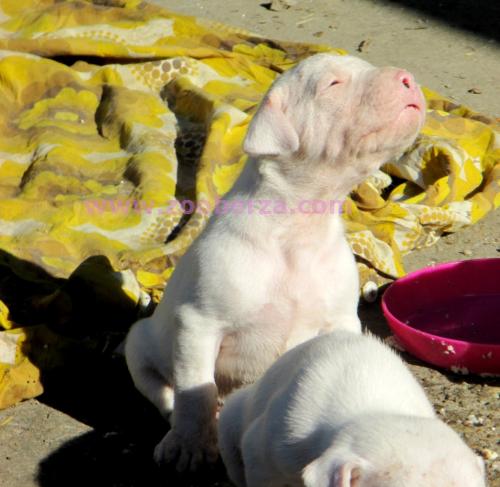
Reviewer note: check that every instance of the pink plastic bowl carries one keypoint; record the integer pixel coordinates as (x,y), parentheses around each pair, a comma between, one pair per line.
(449,315)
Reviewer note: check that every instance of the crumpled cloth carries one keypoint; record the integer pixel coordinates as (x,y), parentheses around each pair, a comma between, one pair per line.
(114,116)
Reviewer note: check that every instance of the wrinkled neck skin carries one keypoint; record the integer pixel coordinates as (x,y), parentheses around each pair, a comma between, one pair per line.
(300,179)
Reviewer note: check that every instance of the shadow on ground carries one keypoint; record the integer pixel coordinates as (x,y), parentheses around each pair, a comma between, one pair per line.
(118,452)
(73,327)
(478,16)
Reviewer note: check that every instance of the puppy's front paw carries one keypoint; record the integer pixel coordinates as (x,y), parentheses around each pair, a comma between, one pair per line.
(187,453)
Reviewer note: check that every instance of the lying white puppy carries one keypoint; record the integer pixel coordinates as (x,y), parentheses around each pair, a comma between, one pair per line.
(260,281)
(341,410)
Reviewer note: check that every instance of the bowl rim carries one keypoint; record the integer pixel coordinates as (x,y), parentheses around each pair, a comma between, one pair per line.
(424,271)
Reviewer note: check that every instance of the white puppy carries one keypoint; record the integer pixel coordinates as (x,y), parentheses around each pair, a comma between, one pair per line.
(341,410)
(260,281)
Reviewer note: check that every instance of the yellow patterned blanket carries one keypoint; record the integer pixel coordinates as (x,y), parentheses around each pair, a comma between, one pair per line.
(113,114)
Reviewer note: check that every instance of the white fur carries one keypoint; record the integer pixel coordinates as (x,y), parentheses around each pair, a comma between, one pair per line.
(341,410)
(256,284)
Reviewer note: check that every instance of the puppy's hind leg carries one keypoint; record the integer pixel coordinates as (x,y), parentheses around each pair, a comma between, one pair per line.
(146,377)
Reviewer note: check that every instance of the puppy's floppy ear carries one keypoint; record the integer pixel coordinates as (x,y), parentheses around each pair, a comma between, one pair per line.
(271,132)
(321,473)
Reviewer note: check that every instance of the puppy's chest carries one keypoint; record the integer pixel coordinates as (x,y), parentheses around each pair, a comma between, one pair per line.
(294,307)
(296,299)
(301,288)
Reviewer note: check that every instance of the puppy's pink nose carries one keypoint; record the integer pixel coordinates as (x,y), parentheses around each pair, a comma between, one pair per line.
(406,79)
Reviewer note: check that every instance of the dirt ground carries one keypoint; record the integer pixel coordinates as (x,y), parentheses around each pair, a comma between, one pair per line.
(96,430)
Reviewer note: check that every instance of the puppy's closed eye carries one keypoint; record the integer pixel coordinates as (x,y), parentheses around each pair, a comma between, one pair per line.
(332,81)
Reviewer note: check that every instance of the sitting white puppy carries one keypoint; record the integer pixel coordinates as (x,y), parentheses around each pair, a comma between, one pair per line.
(260,281)
(341,410)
